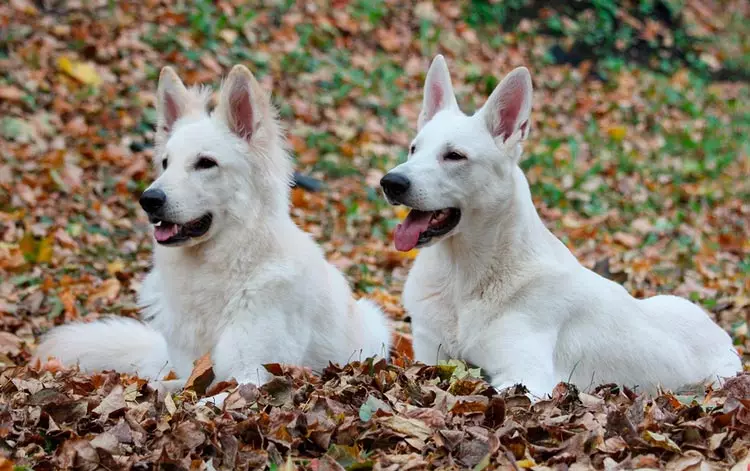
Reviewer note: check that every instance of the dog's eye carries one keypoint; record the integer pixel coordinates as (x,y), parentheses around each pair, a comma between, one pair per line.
(164,163)
(413,148)
(205,163)
(453,155)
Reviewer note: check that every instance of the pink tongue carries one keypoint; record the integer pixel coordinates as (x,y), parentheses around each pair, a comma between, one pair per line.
(165,231)
(407,233)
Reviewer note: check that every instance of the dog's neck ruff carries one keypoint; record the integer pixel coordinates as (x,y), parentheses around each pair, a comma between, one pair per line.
(500,246)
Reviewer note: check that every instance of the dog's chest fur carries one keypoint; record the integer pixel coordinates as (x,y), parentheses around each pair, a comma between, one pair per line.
(431,298)
(187,302)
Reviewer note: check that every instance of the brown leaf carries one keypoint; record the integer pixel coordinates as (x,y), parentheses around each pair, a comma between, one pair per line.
(495,414)
(114,401)
(628,240)
(10,344)
(190,434)
(407,427)
(201,376)
(106,441)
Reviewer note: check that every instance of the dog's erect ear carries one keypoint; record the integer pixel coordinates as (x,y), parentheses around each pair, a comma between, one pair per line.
(172,99)
(508,108)
(438,91)
(242,102)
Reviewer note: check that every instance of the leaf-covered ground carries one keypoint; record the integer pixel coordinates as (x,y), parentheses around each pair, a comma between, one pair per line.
(643,175)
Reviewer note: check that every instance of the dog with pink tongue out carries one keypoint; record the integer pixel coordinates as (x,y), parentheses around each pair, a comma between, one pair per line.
(233,275)
(494,287)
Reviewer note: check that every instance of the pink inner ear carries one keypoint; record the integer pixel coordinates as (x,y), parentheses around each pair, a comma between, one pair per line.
(436,99)
(509,107)
(508,116)
(171,111)
(241,111)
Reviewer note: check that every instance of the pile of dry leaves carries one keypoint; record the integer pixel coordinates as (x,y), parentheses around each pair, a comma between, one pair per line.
(366,416)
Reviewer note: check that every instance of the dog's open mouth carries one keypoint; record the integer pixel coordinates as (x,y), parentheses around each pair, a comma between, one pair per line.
(170,233)
(420,227)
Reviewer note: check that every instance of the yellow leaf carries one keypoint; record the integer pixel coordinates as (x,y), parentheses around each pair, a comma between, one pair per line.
(660,441)
(44,254)
(526,464)
(81,71)
(411,254)
(28,245)
(401,212)
(617,133)
(116,266)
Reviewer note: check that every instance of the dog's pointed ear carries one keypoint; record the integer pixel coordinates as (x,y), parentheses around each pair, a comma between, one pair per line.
(508,108)
(438,91)
(171,99)
(242,102)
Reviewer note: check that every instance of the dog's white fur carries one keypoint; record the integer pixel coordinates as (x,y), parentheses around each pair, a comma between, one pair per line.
(502,292)
(255,289)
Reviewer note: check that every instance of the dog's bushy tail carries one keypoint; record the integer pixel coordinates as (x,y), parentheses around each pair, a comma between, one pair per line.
(378,340)
(117,343)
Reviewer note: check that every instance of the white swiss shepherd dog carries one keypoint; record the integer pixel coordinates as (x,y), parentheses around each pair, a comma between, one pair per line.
(232,273)
(494,287)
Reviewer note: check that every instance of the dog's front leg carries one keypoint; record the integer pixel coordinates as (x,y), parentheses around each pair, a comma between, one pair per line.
(244,347)
(428,348)
(514,350)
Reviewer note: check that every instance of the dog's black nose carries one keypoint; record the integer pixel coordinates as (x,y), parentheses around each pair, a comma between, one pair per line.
(395,185)
(152,200)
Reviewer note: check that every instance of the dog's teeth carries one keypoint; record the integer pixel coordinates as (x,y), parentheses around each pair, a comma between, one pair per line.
(158,223)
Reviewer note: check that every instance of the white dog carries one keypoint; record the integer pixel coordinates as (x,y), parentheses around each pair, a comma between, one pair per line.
(494,287)
(233,275)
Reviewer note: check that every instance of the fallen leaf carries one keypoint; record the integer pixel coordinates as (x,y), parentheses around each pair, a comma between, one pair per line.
(628,240)
(660,441)
(169,404)
(114,401)
(201,376)
(81,71)
(370,406)
(408,427)
(10,344)
(108,290)
(617,133)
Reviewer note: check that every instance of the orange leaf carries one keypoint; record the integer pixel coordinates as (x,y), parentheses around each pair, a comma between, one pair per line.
(170,376)
(68,300)
(299,198)
(107,290)
(202,374)
(6,464)
(402,344)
